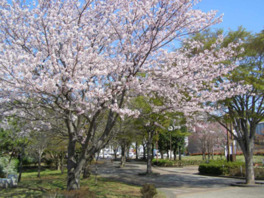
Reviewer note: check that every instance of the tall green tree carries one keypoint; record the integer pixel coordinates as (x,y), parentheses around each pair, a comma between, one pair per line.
(243,111)
(149,121)
(247,110)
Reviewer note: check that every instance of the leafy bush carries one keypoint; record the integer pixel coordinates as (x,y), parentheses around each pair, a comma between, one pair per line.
(148,190)
(177,163)
(28,161)
(6,167)
(163,162)
(259,172)
(221,167)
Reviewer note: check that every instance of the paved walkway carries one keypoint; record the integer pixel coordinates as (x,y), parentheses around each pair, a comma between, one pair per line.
(179,182)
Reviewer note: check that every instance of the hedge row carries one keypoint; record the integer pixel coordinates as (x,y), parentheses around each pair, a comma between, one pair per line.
(222,167)
(238,153)
(219,167)
(177,163)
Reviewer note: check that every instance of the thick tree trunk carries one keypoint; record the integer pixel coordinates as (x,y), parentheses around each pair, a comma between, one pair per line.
(73,180)
(247,146)
(250,177)
(248,154)
(86,170)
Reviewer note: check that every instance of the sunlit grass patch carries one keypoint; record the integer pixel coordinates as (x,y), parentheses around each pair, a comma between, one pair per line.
(53,184)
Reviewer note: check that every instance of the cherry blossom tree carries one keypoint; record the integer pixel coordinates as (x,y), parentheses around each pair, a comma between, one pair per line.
(77,61)
(209,135)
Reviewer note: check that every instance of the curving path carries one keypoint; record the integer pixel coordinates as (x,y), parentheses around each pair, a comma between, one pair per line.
(178,182)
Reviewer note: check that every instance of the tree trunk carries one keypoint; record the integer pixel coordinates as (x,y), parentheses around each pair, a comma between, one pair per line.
(180,157)
(73,180)
(161,155)
(149,150)
(86,169)
(136,150)
(20,168)
(39,164)
(57,164)
(208,151)
(127,152)
(123,156)
(247,148)
(204,158)
(115,153)
(250,177)
(144,151)
(175,154)
(61,162)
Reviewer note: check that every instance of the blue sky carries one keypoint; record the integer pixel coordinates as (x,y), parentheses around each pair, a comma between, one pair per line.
(248,13)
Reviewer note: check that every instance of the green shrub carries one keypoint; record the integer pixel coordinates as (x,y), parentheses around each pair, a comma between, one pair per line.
(6,167)
(26,160)
(177,163)
(221,167)
(259,172)
(148,190)
(163,162)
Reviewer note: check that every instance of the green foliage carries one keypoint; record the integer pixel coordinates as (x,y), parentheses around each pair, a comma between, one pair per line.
(219,167)
(175,163)
(163,162)
(148,190)
(10,140)
(7,167)
(259,172)
(27,160)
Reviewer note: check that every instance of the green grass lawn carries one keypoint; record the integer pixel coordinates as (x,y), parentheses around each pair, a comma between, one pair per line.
(257,158)
(53,184)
